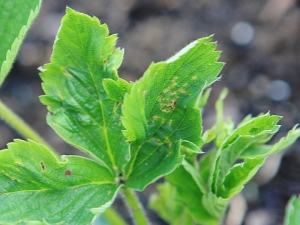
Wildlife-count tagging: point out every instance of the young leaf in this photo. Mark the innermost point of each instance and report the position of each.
(219, 106)
(292, 215)
(264, 150)
(238, 176)
(82, 112)
(203, 98)
(231, 149)
(206, 187)
(168, 207)
(36, 186)
(191, 197)
(15, 19)
(222, 129)
(116, 89)
(160, 111)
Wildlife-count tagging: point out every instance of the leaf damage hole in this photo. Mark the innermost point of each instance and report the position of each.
(68, 172)
(43, 166)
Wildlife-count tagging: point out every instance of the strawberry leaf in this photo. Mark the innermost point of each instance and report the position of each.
(15, 19)
(205, 187)
(292, 215)
(160, 111)
(82, 113)
(168, 206)
(36, 186)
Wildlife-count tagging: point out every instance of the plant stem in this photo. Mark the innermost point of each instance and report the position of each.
(134, 206)
(113, 217)
(20, 126)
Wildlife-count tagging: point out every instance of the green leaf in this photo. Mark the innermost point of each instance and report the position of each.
(191, 169)
(28, 223)
(116, 89)
(292, 215)
(168, 207)
(222, 129)
(36, 186)
(181, 200)
(191, 197)
(209, 135)
(15, 19)
(258, 127)
(189, 148)
(238, 176)
(203, 98)
(252, 132)
(82, 113)
(218, 176)
(265, 150)
(206, 168)
(160, 110)
(206, 187)
(219, 106)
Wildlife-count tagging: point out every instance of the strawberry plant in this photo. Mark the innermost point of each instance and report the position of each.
(133, 133)
(292, 212)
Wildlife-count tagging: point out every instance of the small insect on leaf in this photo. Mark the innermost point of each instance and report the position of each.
(42, 166)
(68, 172)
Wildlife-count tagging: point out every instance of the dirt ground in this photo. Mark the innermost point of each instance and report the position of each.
(260, 43)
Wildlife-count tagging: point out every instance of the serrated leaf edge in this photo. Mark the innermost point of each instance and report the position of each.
(12, 52)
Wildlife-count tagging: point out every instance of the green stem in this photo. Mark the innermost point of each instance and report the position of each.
(134, 206)
(20, 126)
(113, 217)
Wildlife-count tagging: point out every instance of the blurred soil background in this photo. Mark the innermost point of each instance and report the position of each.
(260, 43)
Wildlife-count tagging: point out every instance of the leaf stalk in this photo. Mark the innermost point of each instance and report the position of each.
(113, 217)
(134, 206)
(21, 127)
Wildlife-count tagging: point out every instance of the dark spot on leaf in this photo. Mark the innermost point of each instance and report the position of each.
(43, 166)
(121, 182)
(68, 172)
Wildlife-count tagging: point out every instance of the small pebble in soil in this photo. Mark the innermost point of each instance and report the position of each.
(278, 90)
(242, 33)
